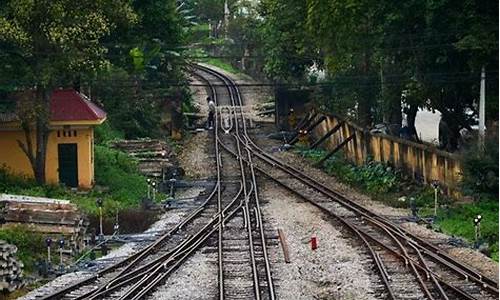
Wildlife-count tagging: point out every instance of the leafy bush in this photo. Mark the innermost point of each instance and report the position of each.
(481, 170)
(118, 172)
(10, 181)
(458, 220)
(374, 177)
(105, 133)
(30, 245)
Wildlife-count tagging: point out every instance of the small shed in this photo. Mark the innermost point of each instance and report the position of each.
(70, 146)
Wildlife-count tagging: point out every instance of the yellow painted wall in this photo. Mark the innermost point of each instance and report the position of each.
(416, 159)
(14, 158)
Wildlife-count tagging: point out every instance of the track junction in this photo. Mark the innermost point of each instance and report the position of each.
(231, 223)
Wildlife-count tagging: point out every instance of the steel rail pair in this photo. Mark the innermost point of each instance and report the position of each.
(131, 260)
(236, 102)
(160, 271)
(397, 234)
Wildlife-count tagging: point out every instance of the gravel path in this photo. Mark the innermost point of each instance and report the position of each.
(336, 270)
(194, 279)
(193, 158)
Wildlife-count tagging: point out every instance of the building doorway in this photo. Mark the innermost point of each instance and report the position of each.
(68, 164)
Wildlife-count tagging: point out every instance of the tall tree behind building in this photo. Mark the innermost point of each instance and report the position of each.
(46, 43)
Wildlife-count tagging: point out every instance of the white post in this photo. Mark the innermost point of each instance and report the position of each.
(435, 202)
(482, 99)
(226, 17)
(100, 221)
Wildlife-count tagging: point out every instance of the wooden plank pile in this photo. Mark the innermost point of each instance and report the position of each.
(11, 277)
(153, 155)
(44, 215)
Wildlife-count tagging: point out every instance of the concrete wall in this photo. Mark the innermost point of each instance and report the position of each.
(14, 158)
(423, 162)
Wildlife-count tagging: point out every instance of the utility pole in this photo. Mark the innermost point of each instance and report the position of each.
(482, 99)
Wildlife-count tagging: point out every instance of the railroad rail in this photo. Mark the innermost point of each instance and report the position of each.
(263, 285)
(401, 259)
(438, 275)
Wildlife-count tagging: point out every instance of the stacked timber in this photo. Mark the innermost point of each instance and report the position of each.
(44, 215)
(153, 156)
(10, 268)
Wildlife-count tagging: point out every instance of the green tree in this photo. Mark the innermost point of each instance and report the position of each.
(347, 34)
(47, 43)
(288, 47)
(148, 68)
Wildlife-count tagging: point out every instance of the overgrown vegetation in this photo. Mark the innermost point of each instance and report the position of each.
(385, 184)
(121, 186)
(366, 60)
(30, 245)
(480, 176)
(374, 178)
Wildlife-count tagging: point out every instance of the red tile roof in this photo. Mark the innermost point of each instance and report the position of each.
(70, 105)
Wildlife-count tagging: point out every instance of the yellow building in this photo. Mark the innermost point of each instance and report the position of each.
(70, 147)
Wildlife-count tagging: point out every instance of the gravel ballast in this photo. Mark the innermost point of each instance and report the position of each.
(335, 270)
(473, 258)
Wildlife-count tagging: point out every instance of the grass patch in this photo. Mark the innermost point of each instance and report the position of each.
(385, 184)
(221, 64)
(458, 221)
(116, 172)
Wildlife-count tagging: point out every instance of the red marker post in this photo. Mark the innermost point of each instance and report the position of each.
(314, 243)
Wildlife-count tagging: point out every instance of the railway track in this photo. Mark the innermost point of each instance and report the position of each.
(230, 222)
(97, 282)
(138, 275)
(402, 260)
(244, 265)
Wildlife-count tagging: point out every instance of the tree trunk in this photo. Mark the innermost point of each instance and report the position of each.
(42, 133)
(37, 156)
(391, 96)
(411, 115)
(449, 132)
(392, 105)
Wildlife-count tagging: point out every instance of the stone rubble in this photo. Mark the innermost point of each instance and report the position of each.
(11, 269)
